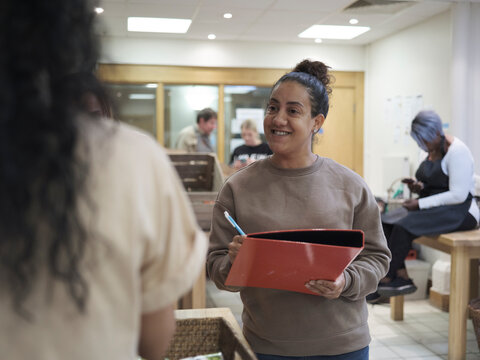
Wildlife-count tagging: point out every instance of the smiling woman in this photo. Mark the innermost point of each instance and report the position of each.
(270, 194)
(296, 111)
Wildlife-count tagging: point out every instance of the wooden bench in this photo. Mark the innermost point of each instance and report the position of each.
(464, 248)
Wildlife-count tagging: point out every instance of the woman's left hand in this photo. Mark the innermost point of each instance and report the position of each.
(327, 289)
(411, 204)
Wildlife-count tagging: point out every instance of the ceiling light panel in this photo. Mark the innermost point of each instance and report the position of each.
(141, 96)
(333, 32)
(158, 25)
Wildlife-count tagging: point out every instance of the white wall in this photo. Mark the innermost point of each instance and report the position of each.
(415, 61)
(466, 76)
(228, 54)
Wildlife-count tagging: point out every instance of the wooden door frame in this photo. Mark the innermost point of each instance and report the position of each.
(196, 75)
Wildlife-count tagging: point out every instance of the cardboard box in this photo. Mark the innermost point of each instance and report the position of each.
(439, 300)
(441, 276)
(418, 272)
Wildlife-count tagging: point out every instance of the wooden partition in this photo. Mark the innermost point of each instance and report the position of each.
(342, 139)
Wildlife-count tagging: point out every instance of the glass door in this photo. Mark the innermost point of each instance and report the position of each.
(182, 103)
(135, 104)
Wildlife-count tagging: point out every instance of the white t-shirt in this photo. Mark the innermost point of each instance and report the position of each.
(145, 251)
(458, 165)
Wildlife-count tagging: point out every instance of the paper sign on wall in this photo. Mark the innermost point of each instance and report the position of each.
(248, 113)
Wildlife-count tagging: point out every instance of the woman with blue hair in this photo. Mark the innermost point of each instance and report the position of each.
(445, 184)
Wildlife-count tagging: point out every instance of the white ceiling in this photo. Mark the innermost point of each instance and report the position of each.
(269, 20)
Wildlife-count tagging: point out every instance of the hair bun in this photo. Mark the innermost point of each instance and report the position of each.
(316, 69)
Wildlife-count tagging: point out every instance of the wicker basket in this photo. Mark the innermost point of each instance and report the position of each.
(206, 336)
(474, 309)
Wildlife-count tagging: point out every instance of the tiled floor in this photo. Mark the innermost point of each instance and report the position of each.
(423, 334)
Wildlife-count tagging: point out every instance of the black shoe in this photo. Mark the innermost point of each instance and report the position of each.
(398, 286)
(373, 298)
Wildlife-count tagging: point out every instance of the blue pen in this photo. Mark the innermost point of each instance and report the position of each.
(234, 224)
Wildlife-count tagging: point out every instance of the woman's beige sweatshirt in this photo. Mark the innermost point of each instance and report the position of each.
(263, 197)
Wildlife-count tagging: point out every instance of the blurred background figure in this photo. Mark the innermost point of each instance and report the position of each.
(445, 184)
(253, 149)
(196, 138)
(95, 246)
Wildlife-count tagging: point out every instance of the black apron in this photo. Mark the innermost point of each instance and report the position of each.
(436, 220)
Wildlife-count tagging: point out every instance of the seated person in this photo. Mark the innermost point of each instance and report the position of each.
(253, 149)
(445, 184)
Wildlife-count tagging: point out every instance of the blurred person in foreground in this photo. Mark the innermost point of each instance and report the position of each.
(253, 149)
(95, 245)
(297, 189)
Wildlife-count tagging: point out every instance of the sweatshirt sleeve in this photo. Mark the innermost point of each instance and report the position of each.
(371, 265)
(222, 233)
(459, 166)
(174, 247)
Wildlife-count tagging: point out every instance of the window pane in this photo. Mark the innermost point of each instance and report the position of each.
(135, 105)
(242, 102)
(182, 103)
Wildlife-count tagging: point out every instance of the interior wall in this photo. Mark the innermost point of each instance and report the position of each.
(415, 61)
(228, 54)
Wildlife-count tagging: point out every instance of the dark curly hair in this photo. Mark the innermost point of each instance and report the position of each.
(315, 77)
(41, 44)
(85, 84)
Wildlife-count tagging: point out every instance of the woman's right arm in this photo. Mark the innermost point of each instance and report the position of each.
(223, 245)
(413, 185)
